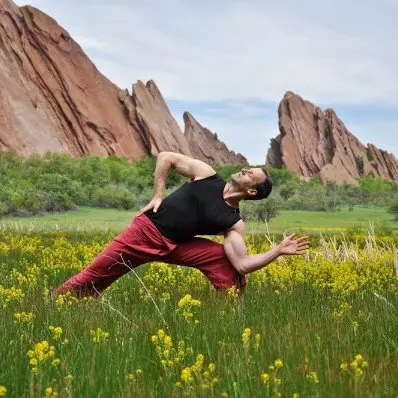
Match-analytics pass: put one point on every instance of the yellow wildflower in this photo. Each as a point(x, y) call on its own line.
point(246, 337)
point(57, 332)
point(312, 377)
point(265, 378)
point(23, 317)
point(212, 367)
point(344, 367)
point(50, 393)
point(98, 335)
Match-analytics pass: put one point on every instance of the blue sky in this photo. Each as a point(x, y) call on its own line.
point(229, 63)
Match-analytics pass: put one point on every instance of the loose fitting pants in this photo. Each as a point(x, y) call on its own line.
point(141, 242)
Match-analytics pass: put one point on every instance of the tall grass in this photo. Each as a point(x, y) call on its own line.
point(298, 329)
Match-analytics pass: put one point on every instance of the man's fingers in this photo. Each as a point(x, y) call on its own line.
point(292, 236)
point(156, 207)
point(144, 209)
point(303, 247)
point(303, 238)
point(305, 243)
point(301, 251)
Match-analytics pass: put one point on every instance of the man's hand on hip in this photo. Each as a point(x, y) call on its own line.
point(153, 204)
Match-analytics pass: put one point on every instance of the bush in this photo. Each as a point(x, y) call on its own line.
point(113, 196)
point(55, 182)
point(282, 176)
point(382, 228)
point(3, 209)
point(394, 210)
point(225, 172)
point(288, 189)
point(263, 210)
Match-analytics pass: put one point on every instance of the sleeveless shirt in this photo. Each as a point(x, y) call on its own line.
point(196, 208)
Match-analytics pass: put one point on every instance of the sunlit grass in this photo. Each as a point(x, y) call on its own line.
point(88, 218)
point(298, 329)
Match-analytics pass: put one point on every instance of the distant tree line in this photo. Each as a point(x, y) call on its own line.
point(54, 182)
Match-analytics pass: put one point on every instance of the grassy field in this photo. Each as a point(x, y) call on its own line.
point(320, 326)
point(87, 218)
point(324, 325)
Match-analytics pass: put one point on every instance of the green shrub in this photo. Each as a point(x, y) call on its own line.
point(262, 210)
point(3, 208)
point(55, 182)
point(113, 196)
point(394, 210)
point(383, 228)
point(282, 176)
point(225, 172)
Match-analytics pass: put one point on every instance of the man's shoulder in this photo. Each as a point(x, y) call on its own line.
point(239, 227)
point(208, 176)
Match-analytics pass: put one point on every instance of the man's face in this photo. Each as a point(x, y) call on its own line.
point(247, 178)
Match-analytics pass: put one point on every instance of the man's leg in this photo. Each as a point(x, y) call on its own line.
point(139, 243)
point(210, 258)
point(106, 268)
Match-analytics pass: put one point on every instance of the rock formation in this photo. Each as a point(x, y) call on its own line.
point(151, 117)
point(316, 143)
point(53, 98)
point(206, 146)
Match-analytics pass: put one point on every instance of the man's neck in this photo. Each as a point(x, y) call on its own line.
point(232, 194)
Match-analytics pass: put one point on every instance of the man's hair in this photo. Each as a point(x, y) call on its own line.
point(263, 188)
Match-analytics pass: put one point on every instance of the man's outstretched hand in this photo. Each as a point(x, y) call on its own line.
point(153, 204)
point(290, 245)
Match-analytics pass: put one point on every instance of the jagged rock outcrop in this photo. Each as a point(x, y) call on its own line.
point(53, 98)
point(206, 146)
point(316, 143)
point(151, 117)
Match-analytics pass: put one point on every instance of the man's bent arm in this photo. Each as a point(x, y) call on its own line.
point(184, 165)
point(193, 168)
point(235, 249)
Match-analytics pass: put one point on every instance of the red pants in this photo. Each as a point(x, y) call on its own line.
point(141, 242)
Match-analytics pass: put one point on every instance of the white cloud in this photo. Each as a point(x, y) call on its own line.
point(244, 49)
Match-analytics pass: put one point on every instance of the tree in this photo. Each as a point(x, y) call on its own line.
point(262, 210)
point(394, 210)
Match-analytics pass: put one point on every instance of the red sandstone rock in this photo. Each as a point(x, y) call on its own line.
point(150, 115)
point(53, 98)
point(207, 147)
point(317, 143)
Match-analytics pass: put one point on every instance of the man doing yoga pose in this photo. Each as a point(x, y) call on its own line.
point(166, 230)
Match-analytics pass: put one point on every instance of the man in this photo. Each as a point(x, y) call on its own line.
point(165, 230)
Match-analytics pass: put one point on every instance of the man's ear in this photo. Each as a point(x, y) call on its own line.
point(252, 191)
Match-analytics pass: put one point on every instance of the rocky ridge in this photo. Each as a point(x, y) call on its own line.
point(53, 98)
point(313, 142)
point(206, 146)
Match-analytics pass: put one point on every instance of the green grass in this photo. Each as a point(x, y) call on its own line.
point(359, 217)
point(84, 218)
point(88, 218)
point(312, 315)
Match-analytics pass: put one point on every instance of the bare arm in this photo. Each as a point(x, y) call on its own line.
point(193, 168)
point(235, 249)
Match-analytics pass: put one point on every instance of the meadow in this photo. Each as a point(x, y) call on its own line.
point(357, 220)
point(322, 325)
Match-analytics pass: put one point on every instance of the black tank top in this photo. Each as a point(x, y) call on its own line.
point(196, 208)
